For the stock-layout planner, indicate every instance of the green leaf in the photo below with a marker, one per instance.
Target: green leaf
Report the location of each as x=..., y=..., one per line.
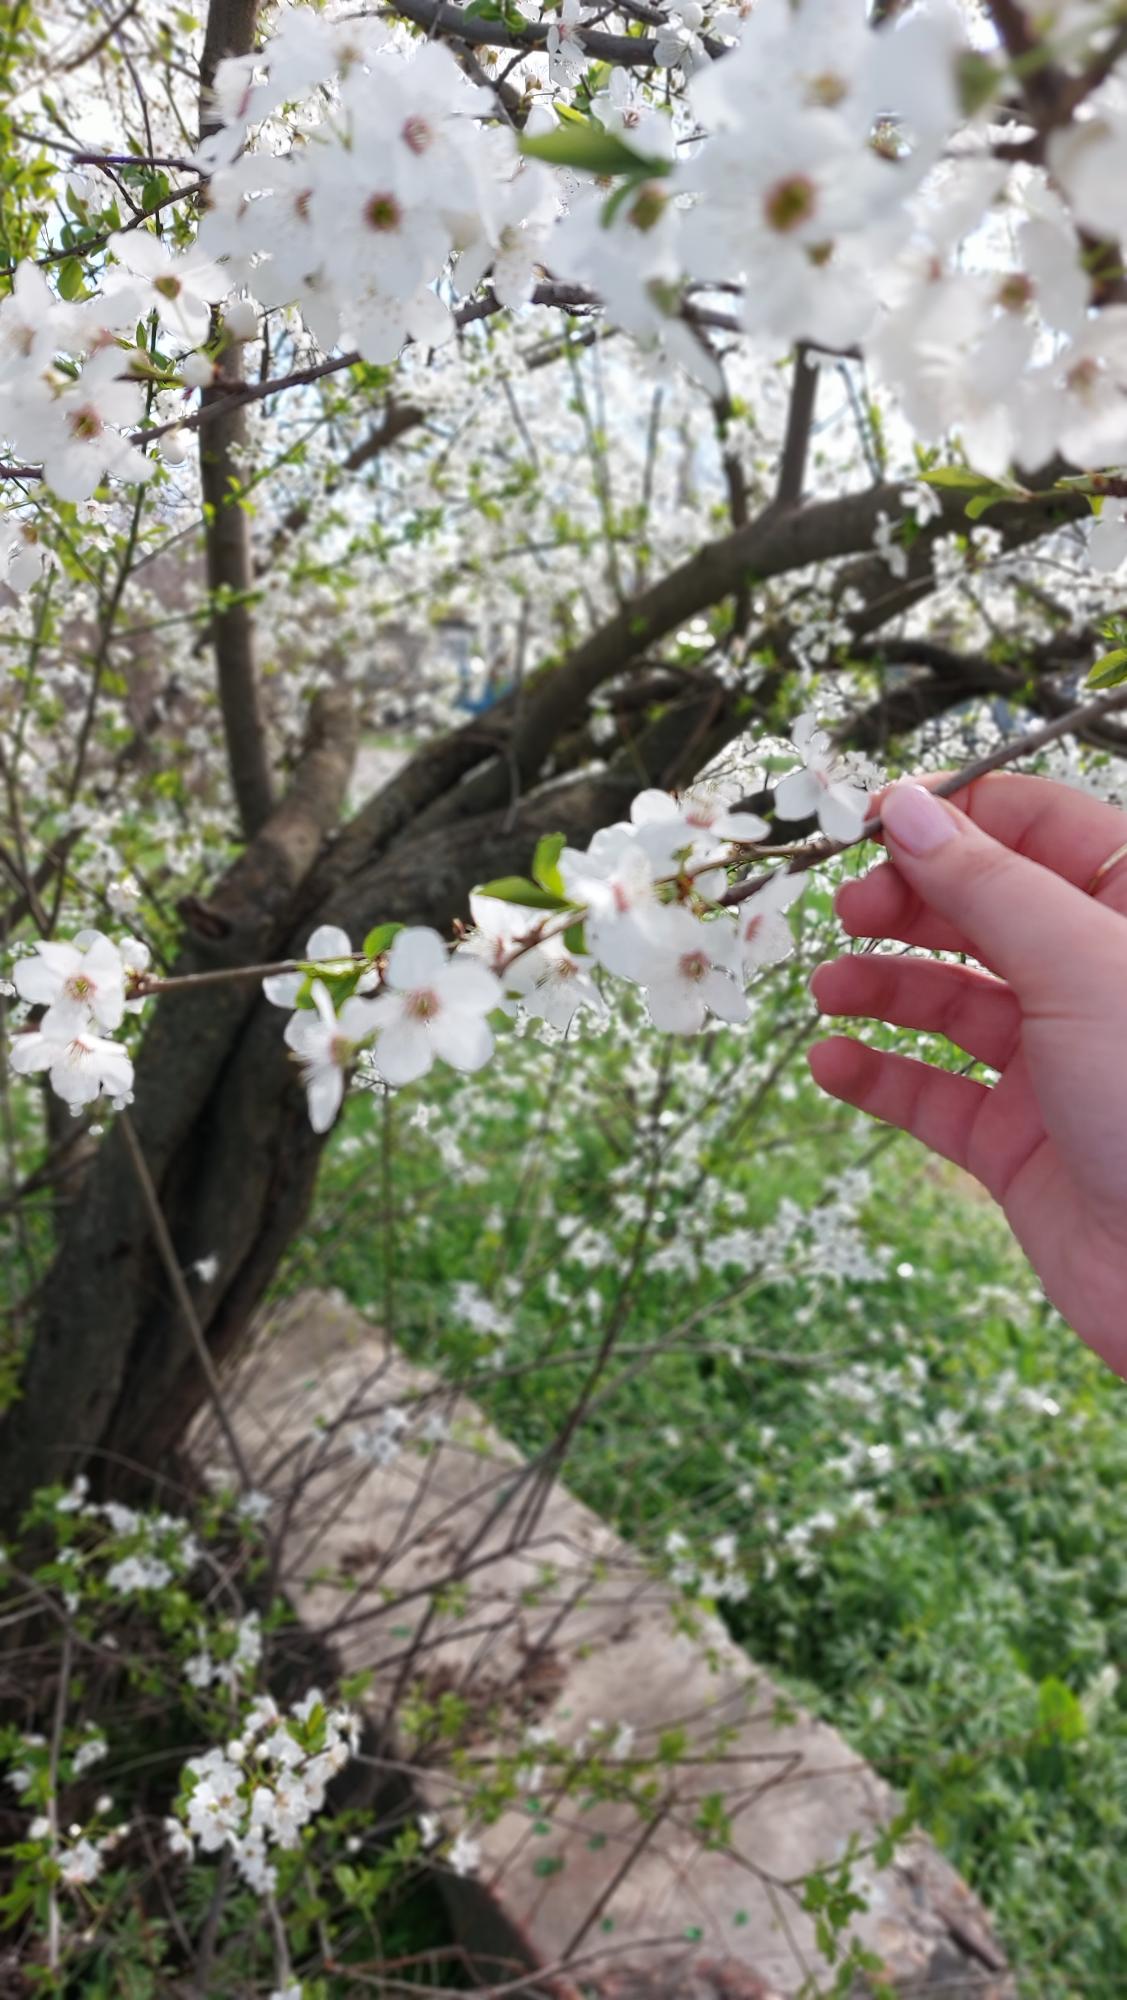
x=575, y=938
x=70, y=280
x=518, y=889
x=1109, y=670
x=959, y=479
x=976, y=508
x=589, y=149
x=545, y=862
x=379, y=939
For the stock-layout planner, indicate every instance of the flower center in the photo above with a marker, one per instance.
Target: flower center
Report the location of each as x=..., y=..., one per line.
x=383, y=213
x=827, y=89
x=422, y=1006
x=1083, y=376
x=301, y=204
x=790, y=202
x=340, y=1051
x=79, y=987
x=86, y=424
x=694, y=965
x=417, y=134
x=1015, y=292
x=168, y=286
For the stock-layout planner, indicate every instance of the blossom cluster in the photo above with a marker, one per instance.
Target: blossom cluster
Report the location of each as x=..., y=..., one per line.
x=82, y=987
x=842, y=184
x=257, y=1792
x=643, y=903
x=137, y=1550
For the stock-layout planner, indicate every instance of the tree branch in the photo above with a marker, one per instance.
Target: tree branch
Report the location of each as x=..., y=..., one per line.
x=230, y=31
x=438, y=17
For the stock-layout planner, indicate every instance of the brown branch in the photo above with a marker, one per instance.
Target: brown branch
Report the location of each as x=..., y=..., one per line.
x=626, y=51
x=230, y=577
x=796, y=440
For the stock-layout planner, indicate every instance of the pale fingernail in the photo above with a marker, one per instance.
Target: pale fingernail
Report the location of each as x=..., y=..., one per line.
x=916, y=820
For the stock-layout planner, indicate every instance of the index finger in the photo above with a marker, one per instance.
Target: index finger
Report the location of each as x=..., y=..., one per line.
x=1063, y=830
x=1047, y=822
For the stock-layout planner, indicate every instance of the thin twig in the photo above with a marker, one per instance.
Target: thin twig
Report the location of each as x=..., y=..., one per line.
x=1076, y=719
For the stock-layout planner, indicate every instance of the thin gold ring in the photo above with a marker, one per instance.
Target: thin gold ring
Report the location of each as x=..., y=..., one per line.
x=1105, y=868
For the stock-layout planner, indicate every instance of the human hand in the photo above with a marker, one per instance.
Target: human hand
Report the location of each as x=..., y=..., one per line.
x=1001, y=873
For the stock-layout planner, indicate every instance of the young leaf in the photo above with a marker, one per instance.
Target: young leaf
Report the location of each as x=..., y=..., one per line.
x=1109, y=670
x=590, y=149
x=518, y=889
x=545, y=862
x=379, y=939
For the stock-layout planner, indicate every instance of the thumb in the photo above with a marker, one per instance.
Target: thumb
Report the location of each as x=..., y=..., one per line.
x=1046, y=938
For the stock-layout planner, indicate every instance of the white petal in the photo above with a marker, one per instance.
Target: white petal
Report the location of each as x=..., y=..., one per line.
x=652, y=805
x=727, y=1000
x=324, y=1090
x=741, y=826
x=842, y=811
x=306, y=1034
x=462, y=1040
x=319, y=994
x=64, y=1019
x=39, y=978
x=466, y=984
x=75, y=1082
x=404, y=1051
x=416, y=959
x=678, y=1007
x=329, y=941
x=359, y=1019
x=283, y=988
x=29, y=1053
x=797, y=796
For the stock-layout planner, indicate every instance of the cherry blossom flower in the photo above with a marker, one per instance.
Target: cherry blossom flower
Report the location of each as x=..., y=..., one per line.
x=764, y=935
x=432, y=1005
x=80, y=1065
x=179, y=288
x=78, y=982
x=692, y=827
x=75, y=427
x=465, y=1855
x=823, y=788
x=325, y=1045
x=617, y=884
x=554, y=983
x=690, y=978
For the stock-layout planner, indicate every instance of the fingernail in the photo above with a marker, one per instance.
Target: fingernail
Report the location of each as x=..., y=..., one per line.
x=917, y=821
